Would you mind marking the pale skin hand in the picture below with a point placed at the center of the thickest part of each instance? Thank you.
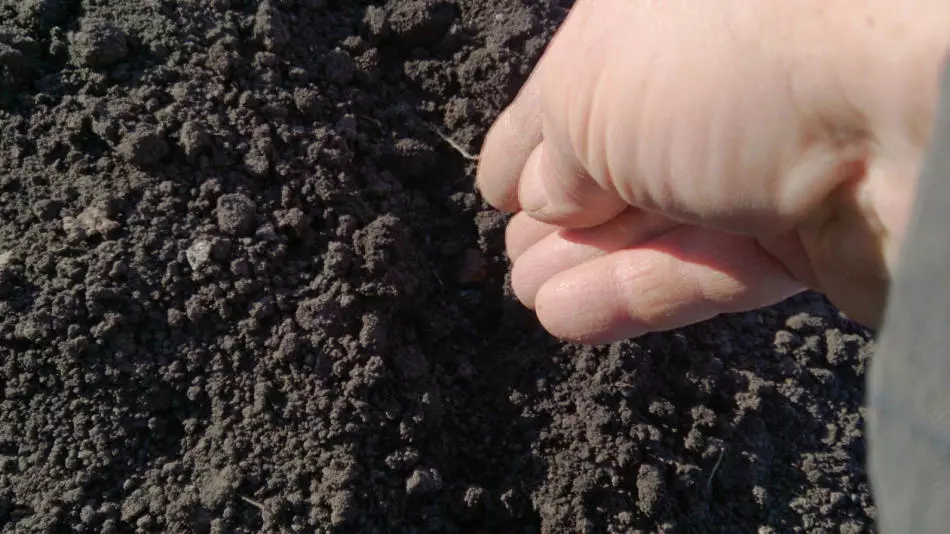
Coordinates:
(672, 160)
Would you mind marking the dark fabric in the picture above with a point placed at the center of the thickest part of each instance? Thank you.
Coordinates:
(909, 380)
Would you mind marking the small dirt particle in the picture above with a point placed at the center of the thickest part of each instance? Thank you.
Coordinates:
(143, 147)
(217, 488)
(475, 497)
(236, 214)
(649, 489)
(343, 508)
(98, 43)
(257, 162)
(88, 515)
(374, 331)
(270, 28)
(804, 322)
(318, 314)
(307, 101)
(93, 221)
(423, 481)
(193, 138)
(293, 219)
(377, 21)
(422, 21)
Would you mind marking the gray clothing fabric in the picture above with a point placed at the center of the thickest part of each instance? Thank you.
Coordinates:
(909, 379)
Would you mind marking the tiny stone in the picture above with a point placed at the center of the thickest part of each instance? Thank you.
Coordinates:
(199, 253)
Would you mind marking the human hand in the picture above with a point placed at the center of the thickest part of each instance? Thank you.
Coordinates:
(674, 160)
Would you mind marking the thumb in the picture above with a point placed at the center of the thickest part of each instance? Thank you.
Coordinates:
(556, 189)
(852, 241)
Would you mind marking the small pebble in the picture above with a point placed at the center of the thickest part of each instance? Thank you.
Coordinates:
(199, 253)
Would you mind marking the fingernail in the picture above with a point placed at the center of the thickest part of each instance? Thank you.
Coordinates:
(533, 197)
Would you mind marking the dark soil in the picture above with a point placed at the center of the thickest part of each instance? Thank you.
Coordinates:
(247, 286)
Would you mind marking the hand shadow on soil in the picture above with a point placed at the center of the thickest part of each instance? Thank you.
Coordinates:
(558, 434)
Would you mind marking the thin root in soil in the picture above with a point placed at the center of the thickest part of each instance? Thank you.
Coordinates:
(455, 144)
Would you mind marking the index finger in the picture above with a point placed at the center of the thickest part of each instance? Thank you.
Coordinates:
(508, 144)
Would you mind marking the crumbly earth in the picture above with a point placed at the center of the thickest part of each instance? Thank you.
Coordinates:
(247, 285)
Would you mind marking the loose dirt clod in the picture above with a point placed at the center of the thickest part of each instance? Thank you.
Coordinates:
(236, 214)
(143, 147)
(244, 288)
(93, 221)
(99, 43)
(423, 481)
